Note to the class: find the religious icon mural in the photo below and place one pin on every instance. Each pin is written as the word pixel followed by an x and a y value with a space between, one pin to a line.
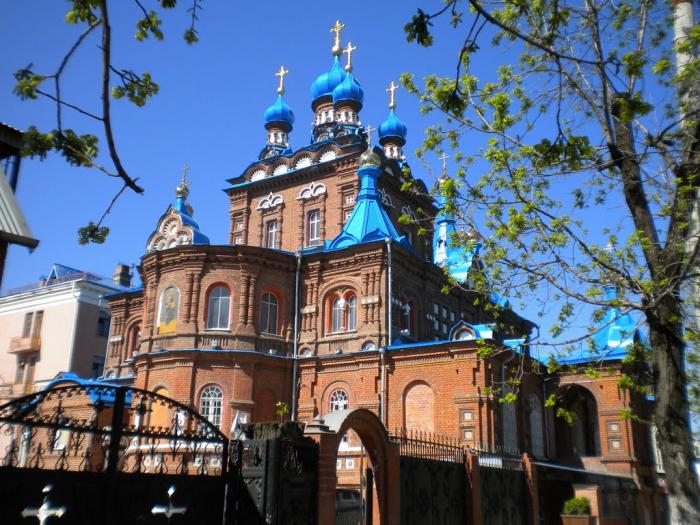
pixel 167 317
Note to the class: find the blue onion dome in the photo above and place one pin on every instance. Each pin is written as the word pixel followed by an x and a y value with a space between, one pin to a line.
pixel 324 85
pixel 392 128
pixel 348 91
pixel 279 114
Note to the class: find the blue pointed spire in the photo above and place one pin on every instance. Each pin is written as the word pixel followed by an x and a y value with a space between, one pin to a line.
pixel 369 221
pixel 457 260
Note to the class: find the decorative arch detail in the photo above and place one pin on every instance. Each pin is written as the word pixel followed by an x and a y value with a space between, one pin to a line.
pixel 271 201
pixel 312 190
pixel 171 232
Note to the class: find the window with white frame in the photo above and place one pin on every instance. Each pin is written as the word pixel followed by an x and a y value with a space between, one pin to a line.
pixel 269 313
pixel 313 227
pixel 219 306
pixel 338 401
pixel 210 403
pixel 271 234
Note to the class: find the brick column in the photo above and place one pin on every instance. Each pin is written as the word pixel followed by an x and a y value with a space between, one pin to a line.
pixel 243 300
pixel 474 482
pixel 533 488
pixel 250 318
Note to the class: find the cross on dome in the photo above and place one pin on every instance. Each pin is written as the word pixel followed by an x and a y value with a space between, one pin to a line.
pixel 337 28
pixel 444 158
pixel 348 51
pixel 369 129
pixel 281 74
pixel 391 89
pixel 183 189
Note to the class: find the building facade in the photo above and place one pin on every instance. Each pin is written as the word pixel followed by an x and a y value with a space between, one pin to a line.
pixel 336 291
pixel 59 324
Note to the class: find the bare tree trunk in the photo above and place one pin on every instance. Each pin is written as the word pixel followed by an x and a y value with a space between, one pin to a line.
pixel 671 411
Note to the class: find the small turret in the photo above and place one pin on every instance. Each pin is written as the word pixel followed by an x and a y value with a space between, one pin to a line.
pixel 348 95
pixel 279 120
pixel 392 132
pixel 322 90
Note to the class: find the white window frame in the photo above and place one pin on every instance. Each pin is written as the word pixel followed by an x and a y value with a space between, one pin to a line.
pixel 211 402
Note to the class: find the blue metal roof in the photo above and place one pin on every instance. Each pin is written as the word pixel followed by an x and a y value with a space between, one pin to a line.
pixel 348 90
pixel 393 128
pixel 279 113
pixel 369 221
pixel 325 83
pixel 617 333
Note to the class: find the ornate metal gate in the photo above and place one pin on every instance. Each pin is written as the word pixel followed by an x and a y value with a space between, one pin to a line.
pixel 100 454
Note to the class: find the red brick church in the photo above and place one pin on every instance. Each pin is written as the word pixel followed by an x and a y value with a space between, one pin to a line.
pixel 324 300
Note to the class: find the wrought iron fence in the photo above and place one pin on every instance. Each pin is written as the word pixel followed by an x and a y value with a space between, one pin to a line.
pixel 427 445
pixel 102 428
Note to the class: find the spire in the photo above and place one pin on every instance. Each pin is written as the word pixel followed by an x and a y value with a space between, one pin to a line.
pixel 177 226
pixel 369 221
pixel 458 260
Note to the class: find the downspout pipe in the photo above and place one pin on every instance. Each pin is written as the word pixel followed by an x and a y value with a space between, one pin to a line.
pixel 295 351
pixel 390 321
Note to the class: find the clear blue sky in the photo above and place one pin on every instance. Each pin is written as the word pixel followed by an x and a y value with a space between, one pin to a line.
pixel 208 113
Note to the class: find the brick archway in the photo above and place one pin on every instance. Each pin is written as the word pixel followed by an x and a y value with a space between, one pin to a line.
pixel 327 431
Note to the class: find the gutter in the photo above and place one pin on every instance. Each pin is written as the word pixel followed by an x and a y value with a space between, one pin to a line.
pixel 295 352
pixel 382 350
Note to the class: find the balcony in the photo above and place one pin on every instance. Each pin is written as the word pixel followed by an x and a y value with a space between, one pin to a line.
pixel 20 345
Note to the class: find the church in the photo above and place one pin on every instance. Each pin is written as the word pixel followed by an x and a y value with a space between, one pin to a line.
pixel 327 299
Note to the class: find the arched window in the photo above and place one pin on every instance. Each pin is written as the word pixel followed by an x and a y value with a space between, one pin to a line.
pixel 368 345
pixel 337 312
pixel 536 424
pixel 338 401
pixel 271 233
pixel 269 313
pixel 218 308
pixel 343 313
pixel 210 403
pixel 352 313
pixel 313 228
pixel 167 311
pixel 132 340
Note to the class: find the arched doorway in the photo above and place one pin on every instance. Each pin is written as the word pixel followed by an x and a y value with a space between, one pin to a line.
pixel 578 436
pixel 374 460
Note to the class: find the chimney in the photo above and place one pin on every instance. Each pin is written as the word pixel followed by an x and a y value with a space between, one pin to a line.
pixel 122 275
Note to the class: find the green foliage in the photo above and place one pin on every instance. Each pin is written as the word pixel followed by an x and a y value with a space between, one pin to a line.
pixel 281 410
pixel 580 506
pixel 28 83
pixel 82 149
pixel 92 233
pixel 138 89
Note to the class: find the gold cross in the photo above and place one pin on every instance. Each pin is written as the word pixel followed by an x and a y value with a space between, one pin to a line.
pixel 444 158
pixel 392 87
pixel 336 44
pixel 369 129
pixel 185 171
pixel 281 73
pixel 348 51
